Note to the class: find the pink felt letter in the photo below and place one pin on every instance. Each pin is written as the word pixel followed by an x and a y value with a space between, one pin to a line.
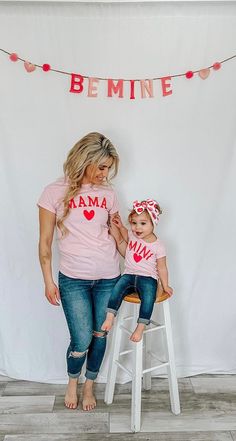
pixel 165 86
pixel 146 86
pixel 115 88
pixel 92 87
pixel 76 85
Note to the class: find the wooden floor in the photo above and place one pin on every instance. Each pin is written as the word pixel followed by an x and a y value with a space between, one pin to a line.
pixel 35 412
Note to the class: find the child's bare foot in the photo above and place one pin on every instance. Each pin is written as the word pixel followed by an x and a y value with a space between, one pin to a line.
pixel 71 397
pixel 89 400
pixel 106 326
pixel 138 333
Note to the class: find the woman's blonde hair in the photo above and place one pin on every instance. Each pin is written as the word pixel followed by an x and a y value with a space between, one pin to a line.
pixel 93 149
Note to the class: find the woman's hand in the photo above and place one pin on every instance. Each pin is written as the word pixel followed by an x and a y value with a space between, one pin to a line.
pixel 52 294
pixel 169 290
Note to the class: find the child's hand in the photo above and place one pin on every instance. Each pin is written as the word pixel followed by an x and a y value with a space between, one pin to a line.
pixel 169 290
pixel 116 220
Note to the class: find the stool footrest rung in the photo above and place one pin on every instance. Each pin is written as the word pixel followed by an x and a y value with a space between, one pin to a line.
pixel 156 358
pixel 155 323
pixel 155 328
pixel 123 367
pixel 126 352
pixel 155 367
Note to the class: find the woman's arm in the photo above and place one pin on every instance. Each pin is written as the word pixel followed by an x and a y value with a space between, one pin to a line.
pixel 116 232
pixel 47 222
pixel 163 274
pixel 116 220
pixel 121 246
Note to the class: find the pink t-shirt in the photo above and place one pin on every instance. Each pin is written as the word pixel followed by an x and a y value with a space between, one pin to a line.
pixel 87 251
pixel 141 257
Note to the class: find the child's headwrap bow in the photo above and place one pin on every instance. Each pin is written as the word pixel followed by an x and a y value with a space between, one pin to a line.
pixel 151 206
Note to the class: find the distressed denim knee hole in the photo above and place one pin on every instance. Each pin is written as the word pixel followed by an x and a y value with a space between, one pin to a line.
pixel 75 354
pixel 100 334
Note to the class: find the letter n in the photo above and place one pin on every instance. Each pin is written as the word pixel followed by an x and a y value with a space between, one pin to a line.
pixel 146 86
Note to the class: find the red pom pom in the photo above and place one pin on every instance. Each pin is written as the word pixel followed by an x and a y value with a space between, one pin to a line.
pixel 13 57
pixel 216 66
pixel 189 74
pixel 46 67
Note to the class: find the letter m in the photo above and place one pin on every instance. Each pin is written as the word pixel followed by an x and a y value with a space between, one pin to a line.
pixel 115 88
pixel 93 202
pixel 132 246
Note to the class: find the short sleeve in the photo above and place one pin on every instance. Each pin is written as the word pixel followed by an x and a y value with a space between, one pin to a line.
pixel 46 200
pixel 161 251
pixel 115 205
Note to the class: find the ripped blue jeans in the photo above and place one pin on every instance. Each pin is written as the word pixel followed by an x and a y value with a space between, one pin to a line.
pixel 84 303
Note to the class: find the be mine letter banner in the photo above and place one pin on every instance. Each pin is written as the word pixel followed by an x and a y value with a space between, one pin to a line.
pixel 93 87
pixel 119 88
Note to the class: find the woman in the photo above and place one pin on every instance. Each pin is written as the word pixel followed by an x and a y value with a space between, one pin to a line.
pixel 80 206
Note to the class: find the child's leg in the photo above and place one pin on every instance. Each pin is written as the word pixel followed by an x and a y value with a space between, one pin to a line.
pixel 138 332
pixel 107 324
pixel 122 287
pixel 146 287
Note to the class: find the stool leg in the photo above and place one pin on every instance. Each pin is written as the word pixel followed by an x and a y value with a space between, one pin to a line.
pixel 136 386
pixel 114 355
pixel 147 378
pixel 171 371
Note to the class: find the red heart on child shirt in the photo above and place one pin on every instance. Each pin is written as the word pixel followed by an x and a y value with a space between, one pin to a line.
pixel 89 214
pixel 137 258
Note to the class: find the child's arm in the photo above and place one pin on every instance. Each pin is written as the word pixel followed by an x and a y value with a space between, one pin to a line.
pixel 163 274
pixel 116 220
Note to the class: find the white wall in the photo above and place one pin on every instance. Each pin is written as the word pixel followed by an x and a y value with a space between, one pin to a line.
pixel 179 150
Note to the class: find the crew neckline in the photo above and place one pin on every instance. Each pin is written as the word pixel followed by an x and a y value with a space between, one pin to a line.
pixel 87 185
pixel 144 241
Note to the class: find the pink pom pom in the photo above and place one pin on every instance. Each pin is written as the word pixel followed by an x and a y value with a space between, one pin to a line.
pixel 46 67
pixel 13 57
pixel 189 74
pixel 216 66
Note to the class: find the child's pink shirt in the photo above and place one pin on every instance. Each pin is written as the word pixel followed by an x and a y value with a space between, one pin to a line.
pixel 141 257
pixel 87 251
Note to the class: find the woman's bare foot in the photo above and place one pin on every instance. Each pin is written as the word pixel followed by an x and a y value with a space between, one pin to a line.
pixel 89 400
pixel 106 326
pixel 138 333
pixel 71 397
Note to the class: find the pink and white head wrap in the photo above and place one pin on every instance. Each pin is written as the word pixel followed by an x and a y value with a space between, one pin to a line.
pixel 151 206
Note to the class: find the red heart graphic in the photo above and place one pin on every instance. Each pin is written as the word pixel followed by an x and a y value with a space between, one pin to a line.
pixel 137 258
pixel 89 214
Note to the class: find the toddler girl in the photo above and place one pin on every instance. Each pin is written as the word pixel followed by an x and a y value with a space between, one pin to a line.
pixel 145 263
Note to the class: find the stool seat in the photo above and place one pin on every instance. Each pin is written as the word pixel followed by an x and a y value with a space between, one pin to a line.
pixel 134 298
pixel 161 295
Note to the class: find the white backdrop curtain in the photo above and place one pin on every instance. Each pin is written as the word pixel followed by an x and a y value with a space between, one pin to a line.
pixel 179 149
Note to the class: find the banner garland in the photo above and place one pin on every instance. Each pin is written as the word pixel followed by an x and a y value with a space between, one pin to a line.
pixel 146 85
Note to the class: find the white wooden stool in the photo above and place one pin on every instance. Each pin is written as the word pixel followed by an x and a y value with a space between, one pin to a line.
pixel 138 361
